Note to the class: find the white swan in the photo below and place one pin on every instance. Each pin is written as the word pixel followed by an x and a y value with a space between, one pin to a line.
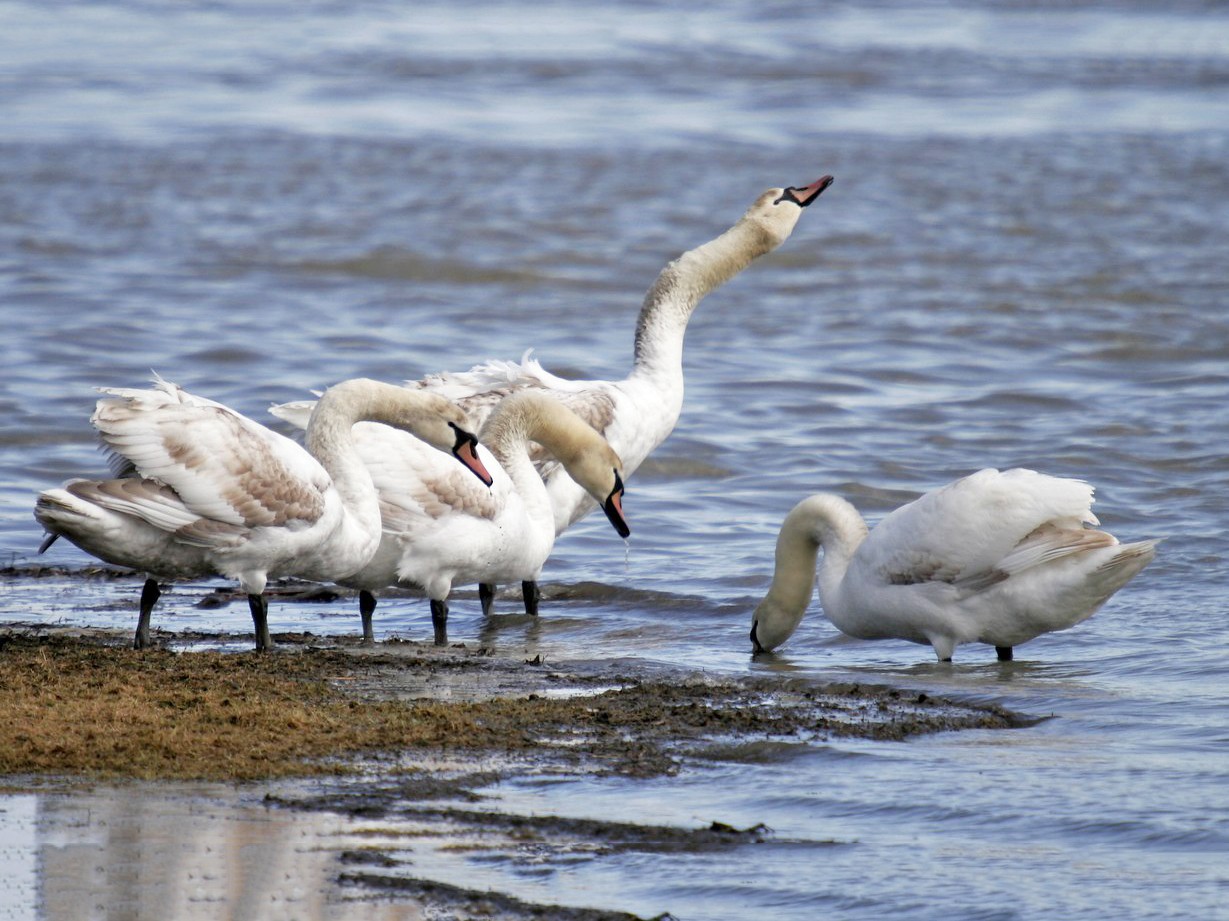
pixel 635 414
pixel 996 558
pixel 203 490
pixel 440 527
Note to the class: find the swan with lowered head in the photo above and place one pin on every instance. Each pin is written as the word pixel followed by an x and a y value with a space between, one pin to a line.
pixel 995 557
pixel 203 490
pixel 440 528
pixel 635 414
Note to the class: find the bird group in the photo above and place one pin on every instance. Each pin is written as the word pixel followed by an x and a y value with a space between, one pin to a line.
pixel 469 477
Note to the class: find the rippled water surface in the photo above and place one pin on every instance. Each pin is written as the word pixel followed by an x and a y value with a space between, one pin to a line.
pixel 1022 262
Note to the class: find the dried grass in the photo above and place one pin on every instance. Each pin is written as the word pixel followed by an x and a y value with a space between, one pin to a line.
pixel 68 707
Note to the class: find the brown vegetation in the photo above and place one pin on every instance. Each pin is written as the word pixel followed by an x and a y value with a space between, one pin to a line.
pixel 74 706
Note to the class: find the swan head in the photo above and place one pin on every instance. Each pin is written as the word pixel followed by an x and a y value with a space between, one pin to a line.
pixel 772 624
pixel 586 456
pixel 777 211
pixel 427 416
pixel 820 520
pixel 599 470
pixel 444 426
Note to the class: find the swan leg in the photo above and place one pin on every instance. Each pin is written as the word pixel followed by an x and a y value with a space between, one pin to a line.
pixel 259 606
pixel 150 593
pixel 944 646
pixel 486 594
pixel 532 595
pixel 439 621
pixel 367 607
pixel 1004 653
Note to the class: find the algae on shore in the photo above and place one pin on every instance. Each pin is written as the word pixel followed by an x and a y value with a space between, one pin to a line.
pixel 80 706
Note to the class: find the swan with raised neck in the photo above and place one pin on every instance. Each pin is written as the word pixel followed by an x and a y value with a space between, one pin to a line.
pixel 635 414
pixel 638 413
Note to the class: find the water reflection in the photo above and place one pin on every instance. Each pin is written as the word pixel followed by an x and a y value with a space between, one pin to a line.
pixel 135 852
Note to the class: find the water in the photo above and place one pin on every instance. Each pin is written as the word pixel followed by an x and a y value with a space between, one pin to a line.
pixel 1022 262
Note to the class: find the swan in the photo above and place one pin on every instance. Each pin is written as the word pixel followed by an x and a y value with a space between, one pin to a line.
pixel 635 414
pixel 995 557
pixel 440 528
pixel 203 490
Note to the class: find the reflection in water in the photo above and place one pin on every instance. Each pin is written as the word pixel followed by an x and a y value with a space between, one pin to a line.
pixel 133 852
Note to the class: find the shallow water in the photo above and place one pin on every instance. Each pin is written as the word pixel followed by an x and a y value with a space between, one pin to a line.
pixel 1022 262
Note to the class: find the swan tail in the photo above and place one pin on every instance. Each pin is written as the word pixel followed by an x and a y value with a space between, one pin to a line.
pixel 1127 562
pixel 296 413
pixel 63 514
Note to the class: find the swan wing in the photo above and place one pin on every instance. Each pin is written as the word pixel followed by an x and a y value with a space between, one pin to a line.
pixel 978 530
pixel 483 386
pixel 418 484
pixel 222 466
pixel 496 375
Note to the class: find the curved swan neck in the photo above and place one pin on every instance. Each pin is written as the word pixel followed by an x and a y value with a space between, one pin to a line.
pixel 683 283
pixel 533 416
pixel 512 424
pixel 818 521
pixel 330 439
pixel 793 577
pixel 840 530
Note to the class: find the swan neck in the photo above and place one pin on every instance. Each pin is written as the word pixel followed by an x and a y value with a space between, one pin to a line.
pixel 680 287
pixel 330 440
pixel 818 521
pixel 793 578
pixel 532 416
pixel 841 534
pixel 508 431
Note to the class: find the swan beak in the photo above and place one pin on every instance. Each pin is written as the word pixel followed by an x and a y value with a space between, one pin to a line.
pixel 804 195
pixel 613 507
pixel 464 451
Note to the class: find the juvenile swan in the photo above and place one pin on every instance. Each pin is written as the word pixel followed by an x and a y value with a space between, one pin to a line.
pixel 635 414
pixel 202 490
pixel 996 558
pixel 441 528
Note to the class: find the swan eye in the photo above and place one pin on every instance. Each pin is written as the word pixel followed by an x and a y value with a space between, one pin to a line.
pixel 463 437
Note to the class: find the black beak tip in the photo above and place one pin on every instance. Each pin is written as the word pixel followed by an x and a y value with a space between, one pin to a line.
pixel 617 520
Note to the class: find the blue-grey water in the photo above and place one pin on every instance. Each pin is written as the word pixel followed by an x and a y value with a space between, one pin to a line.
pixel 1024 261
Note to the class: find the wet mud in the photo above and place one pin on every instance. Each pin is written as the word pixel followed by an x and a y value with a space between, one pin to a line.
pixel 411 735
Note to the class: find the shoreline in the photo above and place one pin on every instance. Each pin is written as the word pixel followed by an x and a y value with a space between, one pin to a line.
pixel 449 724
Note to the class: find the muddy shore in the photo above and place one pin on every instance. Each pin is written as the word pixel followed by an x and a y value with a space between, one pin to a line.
pixel 409 731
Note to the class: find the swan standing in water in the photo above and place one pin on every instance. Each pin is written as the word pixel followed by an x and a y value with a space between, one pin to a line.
pixel 635 414
pixel 996 558
pixel 202 490
pixel 441 527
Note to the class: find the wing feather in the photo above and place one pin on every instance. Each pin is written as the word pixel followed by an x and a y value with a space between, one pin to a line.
pixel 976 531
pixel 222 465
